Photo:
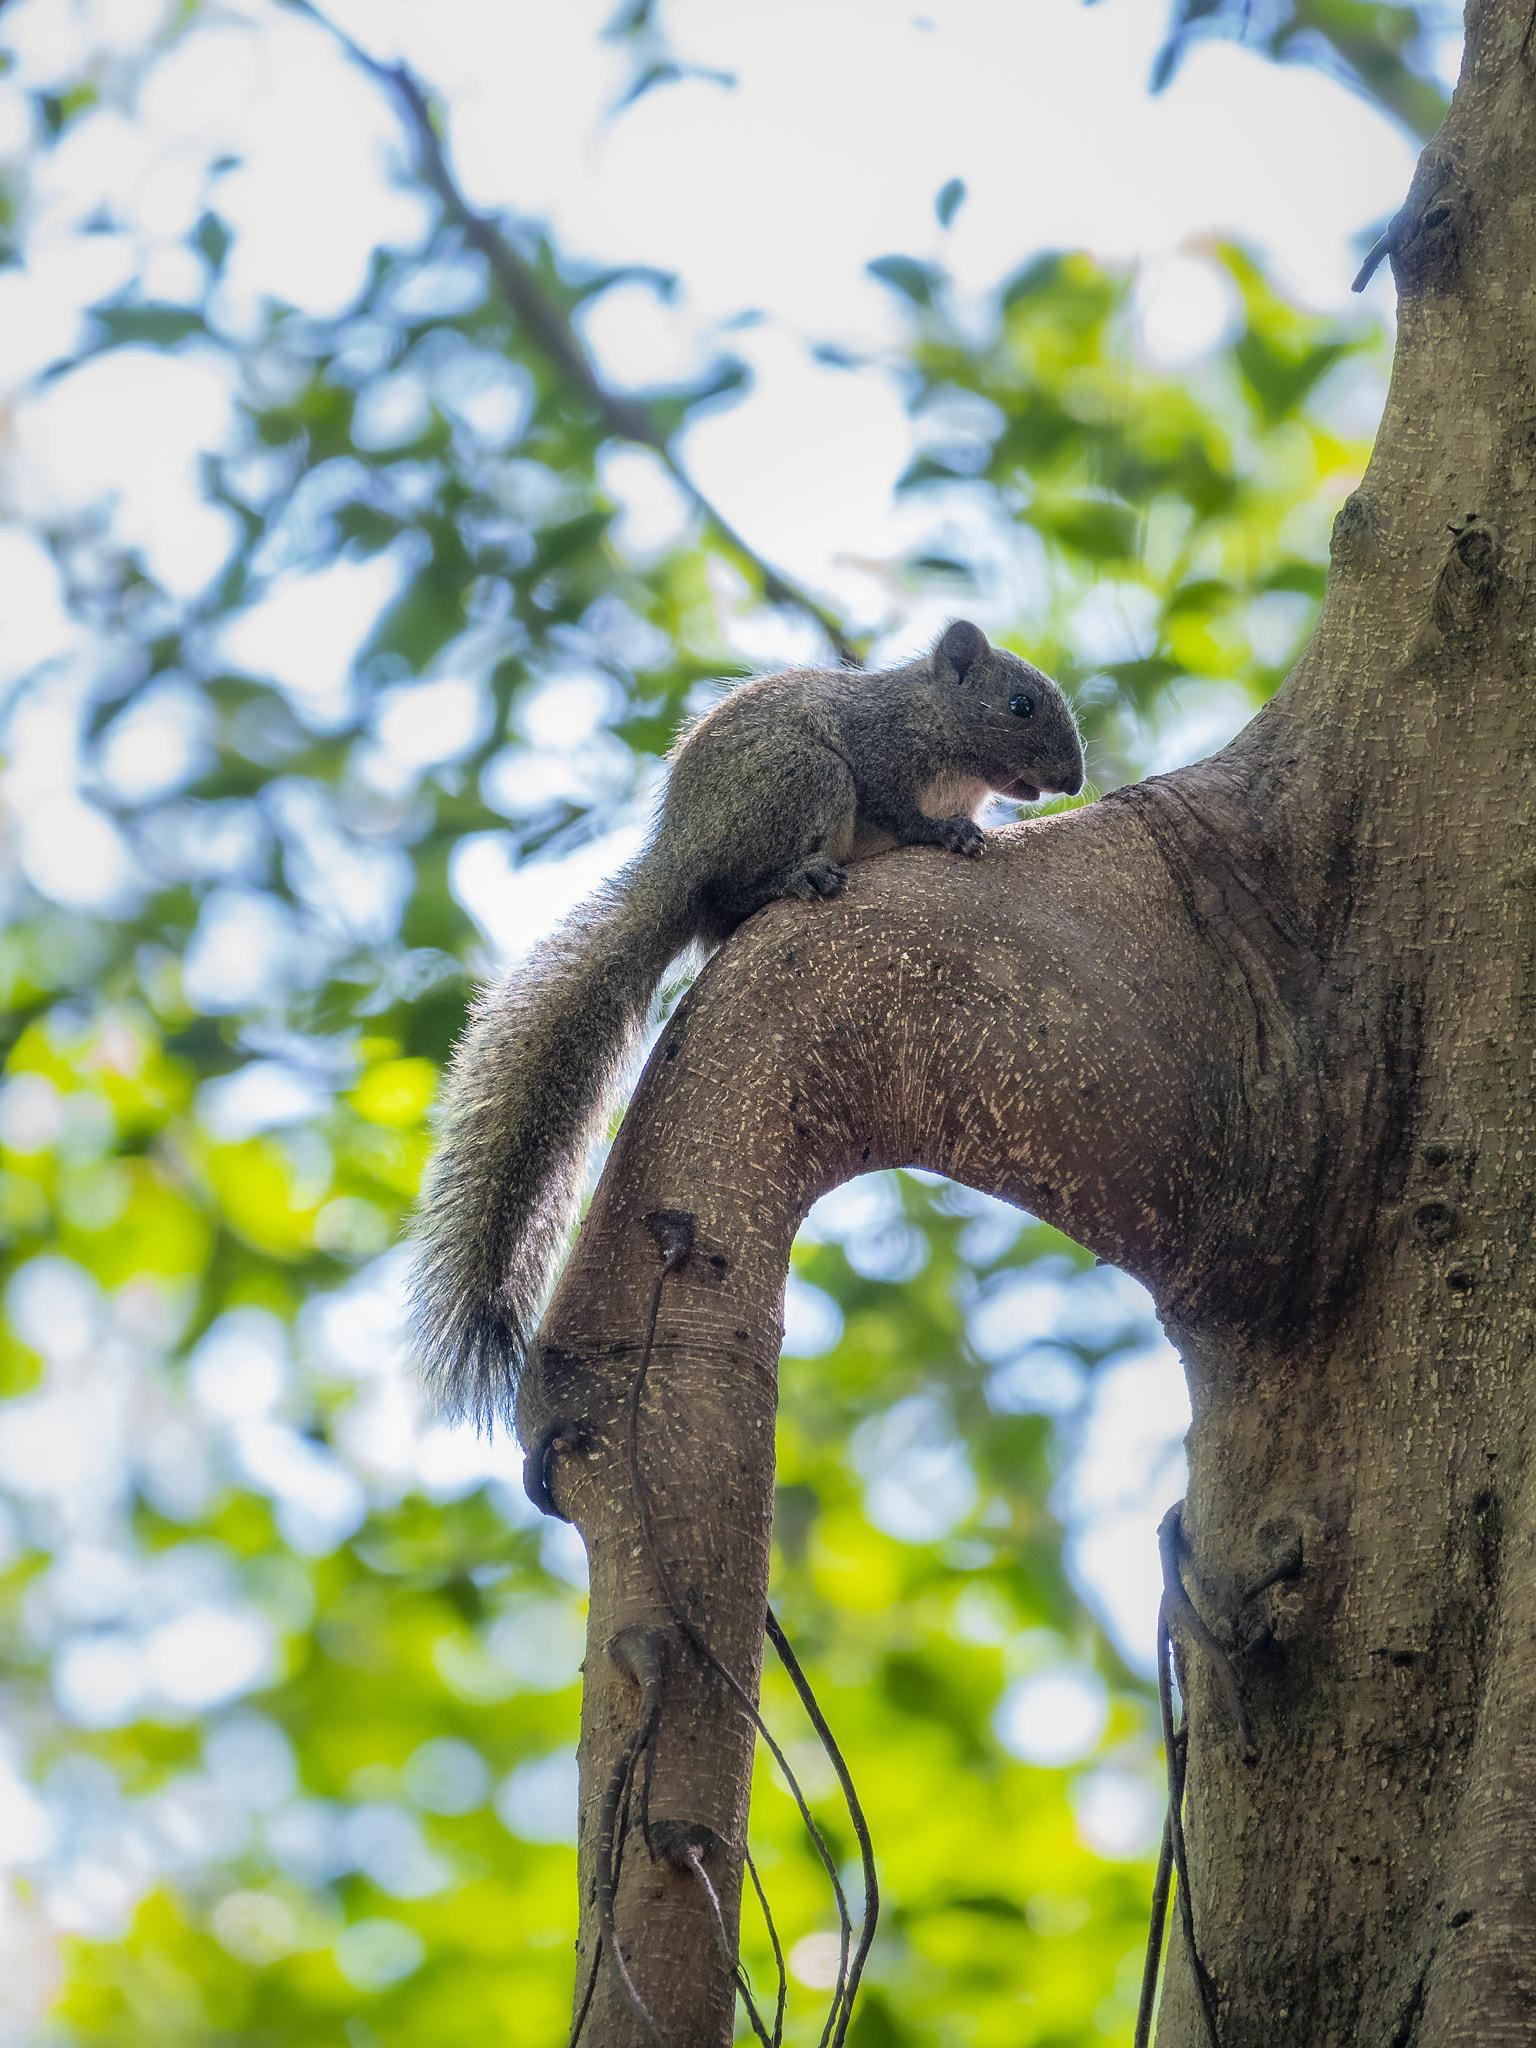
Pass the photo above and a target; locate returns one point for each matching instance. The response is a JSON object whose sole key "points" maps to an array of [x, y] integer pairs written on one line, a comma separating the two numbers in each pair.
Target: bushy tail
{"points": [[526, 1091]]}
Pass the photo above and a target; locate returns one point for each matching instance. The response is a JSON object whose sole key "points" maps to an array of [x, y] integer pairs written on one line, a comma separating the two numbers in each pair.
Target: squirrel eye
{"points": [[1023, 705]]}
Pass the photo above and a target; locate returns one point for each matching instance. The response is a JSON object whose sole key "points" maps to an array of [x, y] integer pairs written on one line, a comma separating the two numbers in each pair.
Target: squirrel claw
{"points": [[816, 880], [961, 835]]}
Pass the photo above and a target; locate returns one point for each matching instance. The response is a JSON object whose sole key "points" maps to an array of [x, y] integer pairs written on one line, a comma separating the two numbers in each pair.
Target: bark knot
{"points": [[1436, 1220], [1468, 584], [1354, 531]]}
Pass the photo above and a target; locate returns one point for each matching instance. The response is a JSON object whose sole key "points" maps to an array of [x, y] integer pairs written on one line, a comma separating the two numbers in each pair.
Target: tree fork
{"points": [[1260, 1033]]}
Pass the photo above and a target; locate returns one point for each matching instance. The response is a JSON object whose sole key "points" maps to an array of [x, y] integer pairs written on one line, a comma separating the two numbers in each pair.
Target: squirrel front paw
{"points": [[815, 880], [960, 835]]}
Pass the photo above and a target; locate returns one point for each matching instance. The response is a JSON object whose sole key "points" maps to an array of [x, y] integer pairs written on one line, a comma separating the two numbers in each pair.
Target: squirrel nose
{"points": [[1070, 783]]}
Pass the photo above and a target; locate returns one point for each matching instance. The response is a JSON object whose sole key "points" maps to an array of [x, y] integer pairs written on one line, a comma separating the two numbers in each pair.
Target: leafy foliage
{"points": [[1378, 49], [292, 1685], [1172, 526]]}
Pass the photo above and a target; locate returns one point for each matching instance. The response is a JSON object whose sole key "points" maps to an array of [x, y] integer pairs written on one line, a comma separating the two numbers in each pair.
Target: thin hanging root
{"points": [[641, 1654], [673, 1232], [778, 1953], [1176, 1749], [1173, 1859], [1150, 1968], [586, 1997], [818, 1720], [1184, 1620], [693, 1856]]}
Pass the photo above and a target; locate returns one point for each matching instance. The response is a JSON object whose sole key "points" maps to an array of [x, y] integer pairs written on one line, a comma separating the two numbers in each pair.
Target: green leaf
{"points": [[916, 281], [160, 326], [726, 379], [1364, 41], [950, 199], [1041, 275], [369, 528], [663, 282], [59, 109], [1310, 578], [942, 565], [213, 238], [1281, 385], [1095, 527]]}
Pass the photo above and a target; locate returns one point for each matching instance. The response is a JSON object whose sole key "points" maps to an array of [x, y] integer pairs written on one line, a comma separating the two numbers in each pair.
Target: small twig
{"points": [[628, 419], [1379, 248]]}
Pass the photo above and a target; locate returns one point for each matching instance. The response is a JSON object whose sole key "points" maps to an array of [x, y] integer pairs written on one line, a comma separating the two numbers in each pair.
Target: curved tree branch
{"points": [[984, 1023]]}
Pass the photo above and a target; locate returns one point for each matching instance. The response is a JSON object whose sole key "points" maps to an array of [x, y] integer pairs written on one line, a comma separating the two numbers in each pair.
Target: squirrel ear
{"points": [[961, 646]]}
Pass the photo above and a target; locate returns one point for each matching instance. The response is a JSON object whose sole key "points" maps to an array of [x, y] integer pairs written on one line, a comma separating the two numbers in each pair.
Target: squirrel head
{"points": [[1021, 727]]}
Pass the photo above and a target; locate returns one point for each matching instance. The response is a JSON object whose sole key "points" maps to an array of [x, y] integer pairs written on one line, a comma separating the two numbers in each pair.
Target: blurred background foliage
{"points": [[1374, 49], [291, 1672]]}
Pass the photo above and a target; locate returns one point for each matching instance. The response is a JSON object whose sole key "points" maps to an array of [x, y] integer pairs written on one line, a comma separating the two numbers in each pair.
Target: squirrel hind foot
{"points": [[814, 880]]}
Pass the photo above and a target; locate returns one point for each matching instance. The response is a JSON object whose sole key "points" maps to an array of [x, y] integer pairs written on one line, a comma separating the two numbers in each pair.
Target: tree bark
{"points": [[1259, 1032]]}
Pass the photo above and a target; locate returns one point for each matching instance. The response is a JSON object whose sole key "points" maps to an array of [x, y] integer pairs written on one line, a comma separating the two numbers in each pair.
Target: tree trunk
{"points": [[1260, 1033]]}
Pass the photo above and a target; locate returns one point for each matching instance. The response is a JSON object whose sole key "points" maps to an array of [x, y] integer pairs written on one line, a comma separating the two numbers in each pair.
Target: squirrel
{"points": [[770, 795]]}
